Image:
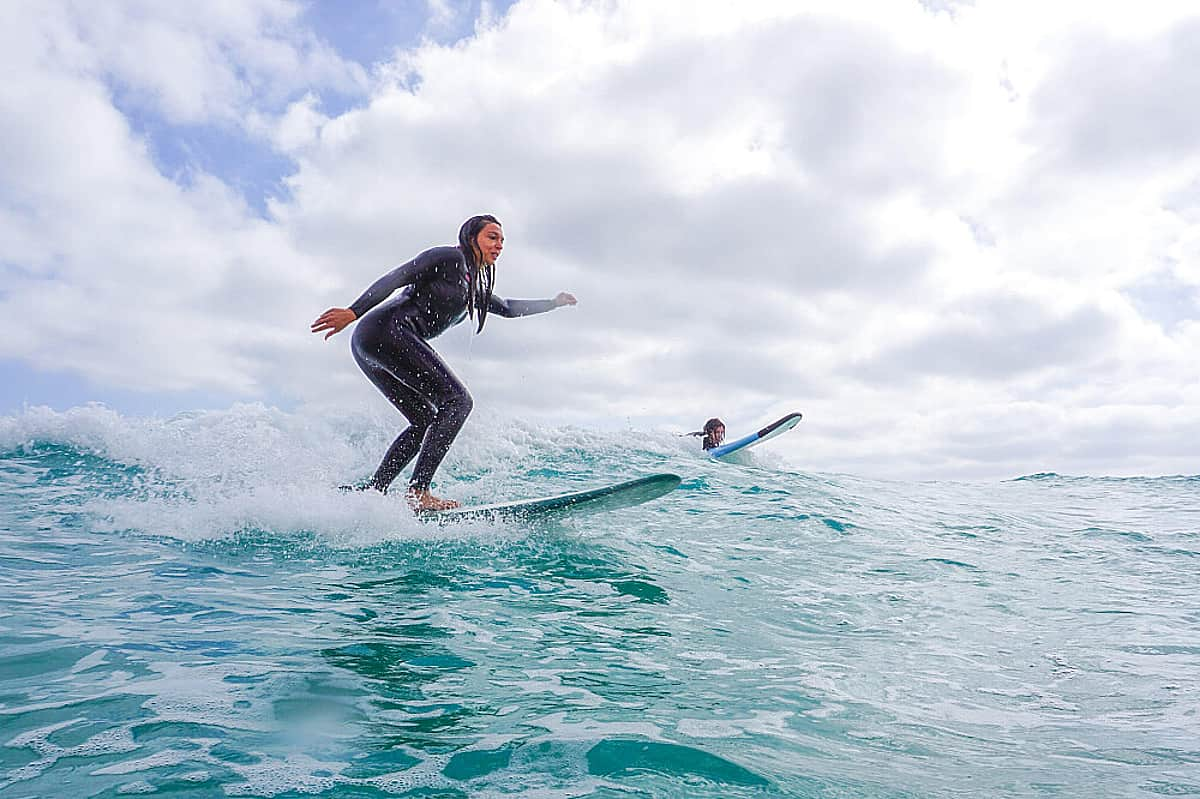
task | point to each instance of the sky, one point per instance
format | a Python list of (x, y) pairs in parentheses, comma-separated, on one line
[(960, 237)]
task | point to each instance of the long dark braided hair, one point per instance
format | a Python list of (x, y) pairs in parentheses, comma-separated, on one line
[(480, 279)]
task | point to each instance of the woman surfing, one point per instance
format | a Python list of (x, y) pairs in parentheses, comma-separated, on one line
[(442, 286)]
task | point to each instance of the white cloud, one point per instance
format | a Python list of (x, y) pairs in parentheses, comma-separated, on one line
[(214, 64), (442, 15), (116, 266), (937, 230)]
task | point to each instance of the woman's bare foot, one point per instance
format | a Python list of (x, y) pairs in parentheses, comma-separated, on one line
[(423, 500)]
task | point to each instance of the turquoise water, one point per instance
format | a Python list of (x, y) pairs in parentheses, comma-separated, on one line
[(189, 608)]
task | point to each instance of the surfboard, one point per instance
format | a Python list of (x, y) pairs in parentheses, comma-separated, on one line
[(775, 428), (605, 498)]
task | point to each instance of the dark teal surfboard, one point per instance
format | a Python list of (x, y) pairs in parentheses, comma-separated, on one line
[(621, 495)]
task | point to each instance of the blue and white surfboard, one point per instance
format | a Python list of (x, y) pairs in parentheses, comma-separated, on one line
[(754, 439)]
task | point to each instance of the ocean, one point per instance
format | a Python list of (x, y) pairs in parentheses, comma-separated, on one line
[(189, 607)]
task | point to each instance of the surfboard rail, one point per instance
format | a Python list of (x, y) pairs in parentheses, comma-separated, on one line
[(594, 500)]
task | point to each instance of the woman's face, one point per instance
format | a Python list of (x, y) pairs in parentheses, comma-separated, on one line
[(490, 242), (718, 433)]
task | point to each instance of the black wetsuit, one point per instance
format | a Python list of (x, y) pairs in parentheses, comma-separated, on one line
[(391, 346)]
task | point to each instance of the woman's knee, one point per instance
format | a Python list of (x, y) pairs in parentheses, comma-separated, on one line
[(420, 417), (457, 406)]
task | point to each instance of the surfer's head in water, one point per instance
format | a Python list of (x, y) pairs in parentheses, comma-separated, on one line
[(714, 433), (481, 240)]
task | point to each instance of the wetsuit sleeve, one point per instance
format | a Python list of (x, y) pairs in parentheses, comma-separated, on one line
[(514, 308), (403, 275)]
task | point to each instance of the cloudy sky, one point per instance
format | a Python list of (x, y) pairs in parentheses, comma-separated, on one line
[(961, 237)]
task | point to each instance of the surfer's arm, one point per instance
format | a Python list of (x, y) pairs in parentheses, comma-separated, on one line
[(403, 275), (336, 319), (514, 308)]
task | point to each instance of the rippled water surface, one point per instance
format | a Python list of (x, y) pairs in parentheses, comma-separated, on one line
[(188, 607)]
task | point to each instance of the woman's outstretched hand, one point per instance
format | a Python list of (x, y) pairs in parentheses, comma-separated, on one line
[(564, 298), (335, 319)]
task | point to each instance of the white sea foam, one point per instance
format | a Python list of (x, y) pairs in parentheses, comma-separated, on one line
[(252, 468)]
